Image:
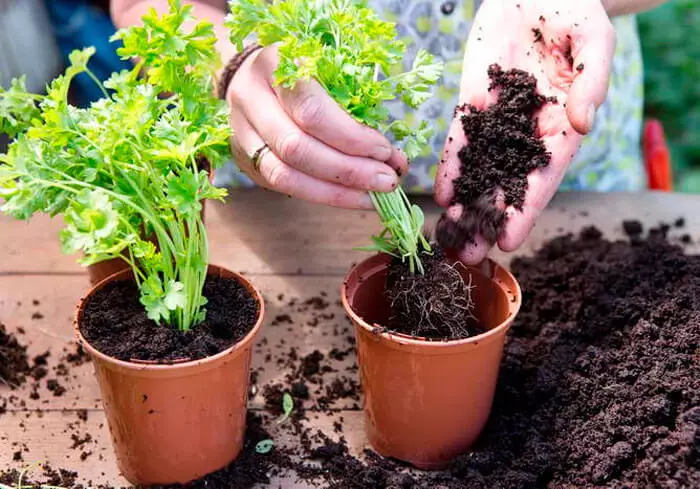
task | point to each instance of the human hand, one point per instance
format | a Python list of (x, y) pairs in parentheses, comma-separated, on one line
[(317, 151), (572, 62)]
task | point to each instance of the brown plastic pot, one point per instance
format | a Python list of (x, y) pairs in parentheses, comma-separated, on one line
[(426, 402), (177, 422)]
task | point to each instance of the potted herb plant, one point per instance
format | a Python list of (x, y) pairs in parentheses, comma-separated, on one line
[(430, 332), (170, 337)]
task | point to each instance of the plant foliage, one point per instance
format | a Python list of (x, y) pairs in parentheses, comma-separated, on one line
[(124, 172), (672, 81), (356, 57)]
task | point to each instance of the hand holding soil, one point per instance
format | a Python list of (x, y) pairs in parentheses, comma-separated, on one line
[(317, 151), (568, 49)]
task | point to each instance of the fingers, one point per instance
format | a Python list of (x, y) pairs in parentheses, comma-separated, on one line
[(542, 185), (449, 165), (476, 249), (277, 175), (300, 150), (318, 115), (473, 91), (593, 50)]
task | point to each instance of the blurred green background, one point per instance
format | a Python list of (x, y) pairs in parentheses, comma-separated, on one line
[(670, 37)]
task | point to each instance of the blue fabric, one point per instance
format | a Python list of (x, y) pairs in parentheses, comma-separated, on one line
[(77, 24)]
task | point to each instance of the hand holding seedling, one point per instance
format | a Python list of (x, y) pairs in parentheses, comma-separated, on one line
[(568, 47), (318, 152)]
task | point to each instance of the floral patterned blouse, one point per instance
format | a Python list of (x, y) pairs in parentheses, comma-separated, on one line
[(610, 157)]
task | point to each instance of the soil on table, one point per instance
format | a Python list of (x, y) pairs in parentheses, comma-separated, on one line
[(435, 305), (14, 364), (115, 323), (503, 149), (599, 387)]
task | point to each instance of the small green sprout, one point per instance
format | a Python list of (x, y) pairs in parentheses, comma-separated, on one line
[(264, 446), (287, 407), (20, 480)]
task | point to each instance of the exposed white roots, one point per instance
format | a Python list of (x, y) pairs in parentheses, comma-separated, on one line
[(441, 299)]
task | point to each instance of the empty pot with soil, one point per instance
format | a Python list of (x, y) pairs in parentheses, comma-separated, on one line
[(175, 403), (428, 399)]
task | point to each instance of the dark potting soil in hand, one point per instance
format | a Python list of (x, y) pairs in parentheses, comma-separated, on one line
[(115, 323), (503, 149), (435, 305)]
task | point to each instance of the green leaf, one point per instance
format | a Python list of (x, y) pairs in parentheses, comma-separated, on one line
[(123, 171), (264, 446), (174, 297), (287, 407), (356, 57), (17, 108), (287, 403)]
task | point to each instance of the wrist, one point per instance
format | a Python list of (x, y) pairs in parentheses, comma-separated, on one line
[(232, 67)]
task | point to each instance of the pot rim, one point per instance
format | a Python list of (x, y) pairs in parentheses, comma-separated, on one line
[(488, 267), (177, 365)]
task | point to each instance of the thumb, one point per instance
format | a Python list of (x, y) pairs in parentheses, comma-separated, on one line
[(592, 63)]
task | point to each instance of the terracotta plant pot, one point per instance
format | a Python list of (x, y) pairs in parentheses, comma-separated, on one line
[(425, 402), (177, 422)]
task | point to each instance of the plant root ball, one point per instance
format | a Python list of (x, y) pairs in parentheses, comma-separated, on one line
[(436, 305)]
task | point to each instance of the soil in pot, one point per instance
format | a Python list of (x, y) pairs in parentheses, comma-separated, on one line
[(115, 322), (503, 149), (434, 305)]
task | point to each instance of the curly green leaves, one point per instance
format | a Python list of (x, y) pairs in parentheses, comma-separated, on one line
[(17, 108), (356, 57), (124, 171)]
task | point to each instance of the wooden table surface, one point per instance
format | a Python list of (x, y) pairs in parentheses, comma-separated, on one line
[(285, 247)]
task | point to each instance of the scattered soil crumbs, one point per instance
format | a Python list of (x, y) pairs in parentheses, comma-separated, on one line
[(14, 366), (116, 324), (435, 305), (599, 387), (503, 149), (249, 469)]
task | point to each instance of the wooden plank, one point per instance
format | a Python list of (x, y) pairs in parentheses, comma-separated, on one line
[(48, 436), (48, 326), (263, 232)]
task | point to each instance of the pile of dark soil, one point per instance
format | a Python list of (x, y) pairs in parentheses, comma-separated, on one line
[(599, 388), (116, 324), (435, 305), (14, 366), (503, 148), (600, 385)]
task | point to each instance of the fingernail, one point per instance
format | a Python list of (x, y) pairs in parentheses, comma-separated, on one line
[(384, 182), (590, 117), (366, 202), (381, 153)]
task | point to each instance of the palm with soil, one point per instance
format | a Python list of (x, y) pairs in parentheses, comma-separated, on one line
[(568, 48)]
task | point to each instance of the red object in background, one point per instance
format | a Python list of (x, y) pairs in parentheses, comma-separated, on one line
[(657, 157)]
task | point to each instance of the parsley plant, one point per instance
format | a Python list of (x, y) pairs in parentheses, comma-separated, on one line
[(356, 57), (124, 172)]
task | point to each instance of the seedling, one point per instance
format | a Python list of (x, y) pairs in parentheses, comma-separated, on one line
[(124, 172), (287, 407), (356, 57), (264, 446), (20, 481)]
